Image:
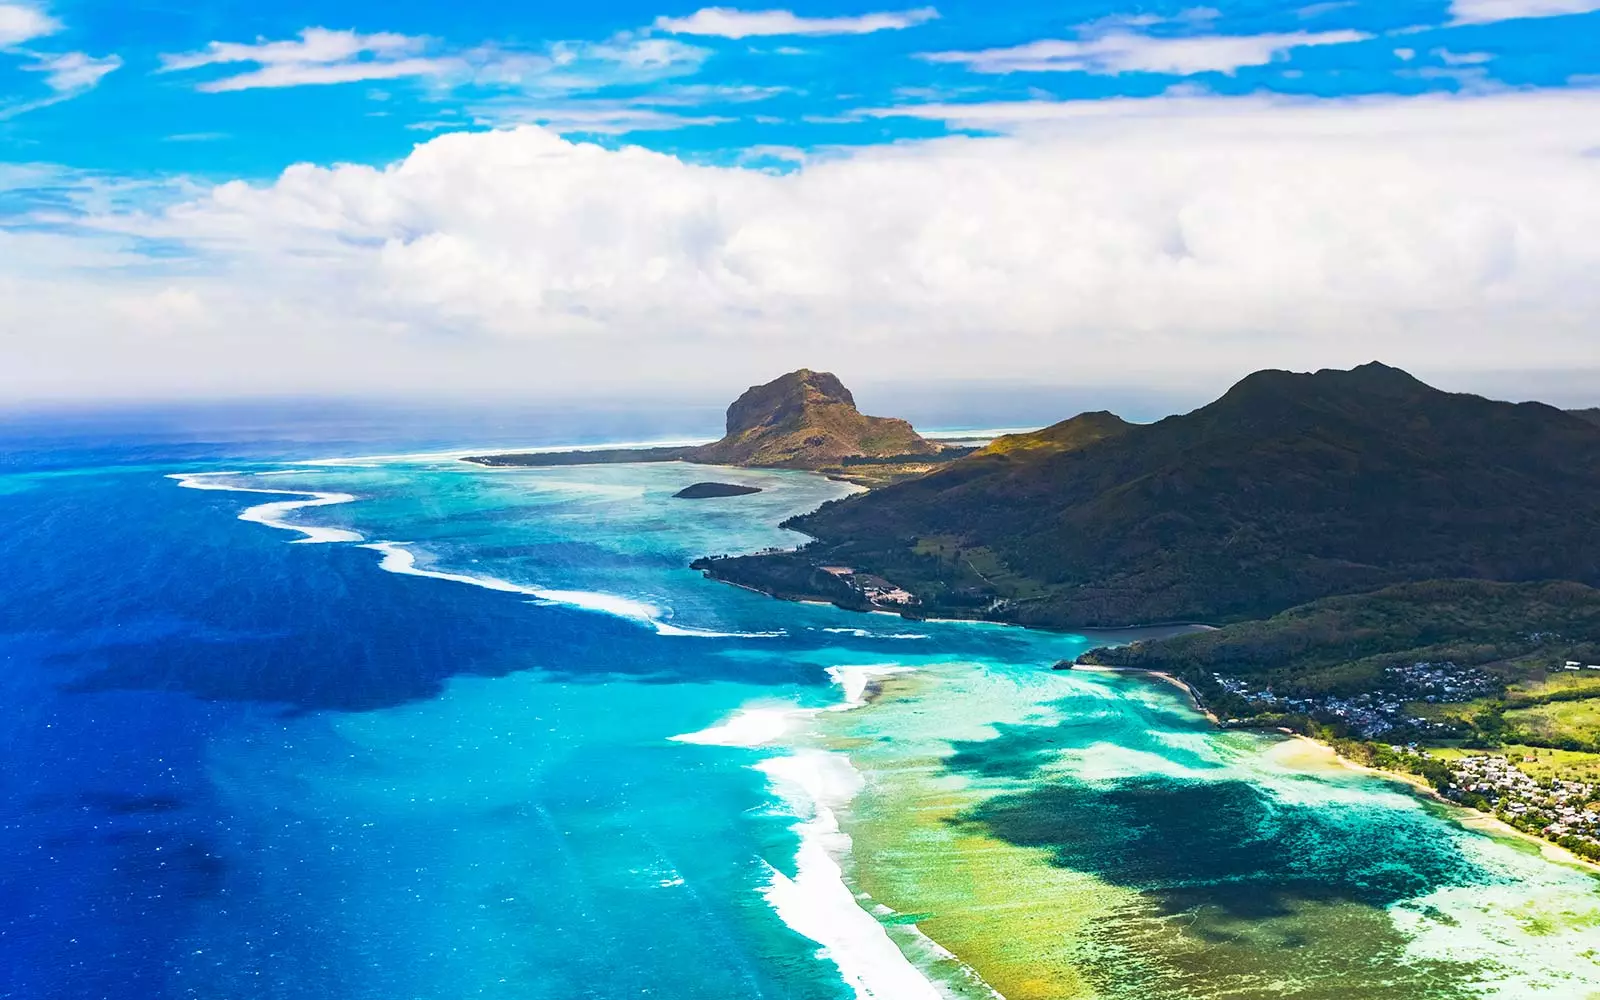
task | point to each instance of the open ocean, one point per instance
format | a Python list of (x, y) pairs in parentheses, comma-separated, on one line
[(280, 722)]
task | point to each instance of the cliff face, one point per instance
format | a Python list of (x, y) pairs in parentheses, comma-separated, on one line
[(806, 420)]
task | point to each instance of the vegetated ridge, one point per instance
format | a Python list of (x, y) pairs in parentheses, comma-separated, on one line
[(1289, 488)]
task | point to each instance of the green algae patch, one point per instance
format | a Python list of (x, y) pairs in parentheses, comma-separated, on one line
[(913, 855), (1072, 837)]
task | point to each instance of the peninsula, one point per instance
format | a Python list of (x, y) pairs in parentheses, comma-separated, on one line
[(1404, 573), (1289, 488), (803, 420)]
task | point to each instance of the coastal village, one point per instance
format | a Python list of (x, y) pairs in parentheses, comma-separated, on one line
[(1560, 809), (1567, 812), (1372, 714)]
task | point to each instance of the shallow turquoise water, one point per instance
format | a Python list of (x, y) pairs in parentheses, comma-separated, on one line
[(277, 769)]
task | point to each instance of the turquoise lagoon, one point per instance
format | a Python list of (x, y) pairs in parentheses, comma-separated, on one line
[(407, 727)]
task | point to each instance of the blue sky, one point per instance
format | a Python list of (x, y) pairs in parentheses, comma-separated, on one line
[(649, 73), (208, 199)]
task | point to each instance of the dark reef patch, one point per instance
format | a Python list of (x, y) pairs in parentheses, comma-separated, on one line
[(1226, 845), (710, 491)]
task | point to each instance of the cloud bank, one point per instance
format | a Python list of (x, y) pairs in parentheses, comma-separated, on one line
[(1121, 239), (726, 22), (318, 56), (1488, 11), (1126, 52), (74, 72), (22, 22)]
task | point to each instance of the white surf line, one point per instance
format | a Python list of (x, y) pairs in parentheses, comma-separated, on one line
[(455, 454), (751, 726), (761, 724), (399, 559), (861, 633), (817, 902), (272, 514), (855, 679)]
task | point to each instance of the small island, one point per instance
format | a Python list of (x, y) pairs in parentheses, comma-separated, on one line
[(707, 491)]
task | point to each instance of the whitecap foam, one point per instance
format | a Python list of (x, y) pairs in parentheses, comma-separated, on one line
[(861, 633), (610, 604), (665, 628), (759, 724), (855, 679), (816, 901), (272, 514), (752, 726), (399, 559)]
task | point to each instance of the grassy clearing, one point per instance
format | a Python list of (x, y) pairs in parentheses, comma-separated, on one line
[(981, 565), (1539, 763), (1462, 711), (1543, 763), (1558, 721), (1559, 686)]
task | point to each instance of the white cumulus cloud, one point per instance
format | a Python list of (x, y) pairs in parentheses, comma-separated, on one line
[(317, 56), (23, 22), (1096, 240), (321, 56), (727, 22), (1487, 11), (1119, 51), (74, 72)]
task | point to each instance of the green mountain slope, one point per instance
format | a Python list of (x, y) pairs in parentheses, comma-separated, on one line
[(1068, 435), (1289, 488), (1342, 645)]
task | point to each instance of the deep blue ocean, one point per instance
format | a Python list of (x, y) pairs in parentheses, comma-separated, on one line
[(424, 748)]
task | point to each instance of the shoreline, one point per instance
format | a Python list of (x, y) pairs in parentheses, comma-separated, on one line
[(945, 615), (1465, 816), (1194, 698)]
